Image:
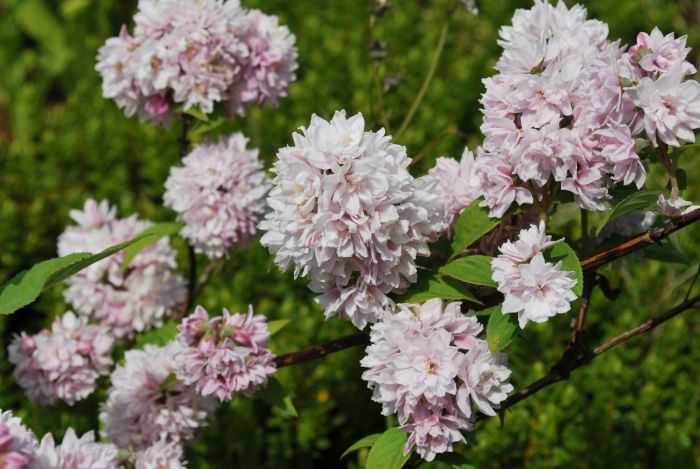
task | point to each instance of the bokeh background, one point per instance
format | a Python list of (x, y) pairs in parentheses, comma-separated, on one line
[(61, 142)]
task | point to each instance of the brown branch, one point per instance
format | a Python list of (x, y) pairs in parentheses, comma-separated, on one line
[(588, 265), (638, 242), (321, 350), (575, 358)]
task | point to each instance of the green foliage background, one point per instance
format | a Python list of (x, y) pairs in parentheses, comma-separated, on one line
[(61, 142)]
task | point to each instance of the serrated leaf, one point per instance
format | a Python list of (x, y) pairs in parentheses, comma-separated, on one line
[(473, 223), (501, 329), (471, 269), (277, 397), (275, 326), (432, 285), (26, 286), (364, 442), (159, 336), (151, 235), (642, 200), (387, 451), (569, 261)]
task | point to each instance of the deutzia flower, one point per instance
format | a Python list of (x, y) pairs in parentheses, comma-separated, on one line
[(671, 107), (533, 288), (126, 300), (675, 208), (63, 363), (197, 54), (225, 354), (557, 112), (484, 380), (160, 455), (457, 183), (655, 52), (219, 193), (17, 444), (147, 404), (427, 364), (347, 214), (76, 453)]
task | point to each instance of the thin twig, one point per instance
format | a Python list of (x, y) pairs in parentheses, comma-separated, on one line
[(206, 274), (191, 282), (571, 361), (640, 241), (439, 139), (428, 77), (588, 264), (692, 283), (320, 350)]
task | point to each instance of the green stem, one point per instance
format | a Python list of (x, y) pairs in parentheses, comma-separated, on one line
[(428, 78)]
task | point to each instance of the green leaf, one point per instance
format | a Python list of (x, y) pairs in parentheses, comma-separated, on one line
[(37, 20), (666, 252), (159, 336), (277, 397), (369, 440), (197, 114), (201, 128), (431, 285), (26, 286), (387, 452), (563, 252), (642, 200), (274, 327), (473, 223), (501, 329), (471, 269), (150, 236)]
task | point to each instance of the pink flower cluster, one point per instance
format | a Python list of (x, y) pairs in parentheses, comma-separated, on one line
[(20, 449), (125, 300), (147, 404), (63, 363), (219, 193), (226, 354), (347, 214), (567, 103), (427, 364), (669, 105), (17, 444), (533, 288), (76, 453), (197, 53)]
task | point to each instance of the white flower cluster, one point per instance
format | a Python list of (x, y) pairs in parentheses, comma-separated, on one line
[(533, 288), (147, 404), (219, 193), (125, 300), (197, 53), (347, 214), (427, 364)]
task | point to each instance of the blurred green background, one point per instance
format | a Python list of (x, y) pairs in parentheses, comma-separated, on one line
[(61, 142)]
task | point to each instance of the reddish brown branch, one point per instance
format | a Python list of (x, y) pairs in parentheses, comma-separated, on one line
[(588, 264), (638, 242), (320, 350), (574, 358)]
